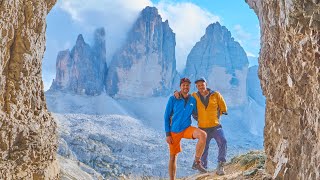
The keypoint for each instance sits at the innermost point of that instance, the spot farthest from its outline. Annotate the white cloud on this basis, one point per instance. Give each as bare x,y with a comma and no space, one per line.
249,54
70,7
246,40
116,16
188,22
79,8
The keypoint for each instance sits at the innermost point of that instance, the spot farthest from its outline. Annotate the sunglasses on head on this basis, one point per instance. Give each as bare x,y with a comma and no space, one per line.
184,80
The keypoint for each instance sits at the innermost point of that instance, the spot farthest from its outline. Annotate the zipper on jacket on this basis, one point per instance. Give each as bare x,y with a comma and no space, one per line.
186,100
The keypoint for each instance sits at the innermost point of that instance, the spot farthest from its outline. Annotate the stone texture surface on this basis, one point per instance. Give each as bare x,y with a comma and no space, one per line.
27,131
289,73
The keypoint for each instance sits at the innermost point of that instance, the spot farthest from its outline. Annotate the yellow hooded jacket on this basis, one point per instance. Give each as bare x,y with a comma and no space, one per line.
209,117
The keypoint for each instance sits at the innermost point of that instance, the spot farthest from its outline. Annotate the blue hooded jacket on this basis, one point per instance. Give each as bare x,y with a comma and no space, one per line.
178,113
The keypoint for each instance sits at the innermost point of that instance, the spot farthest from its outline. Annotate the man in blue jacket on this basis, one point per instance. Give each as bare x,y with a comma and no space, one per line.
210,106
177,120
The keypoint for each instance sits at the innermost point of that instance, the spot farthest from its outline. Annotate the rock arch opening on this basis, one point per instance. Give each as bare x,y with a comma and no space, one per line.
289,73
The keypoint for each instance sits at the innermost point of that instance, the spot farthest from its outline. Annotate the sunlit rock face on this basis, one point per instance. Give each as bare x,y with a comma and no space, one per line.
289,73
83,69
222,61
27,131
145,66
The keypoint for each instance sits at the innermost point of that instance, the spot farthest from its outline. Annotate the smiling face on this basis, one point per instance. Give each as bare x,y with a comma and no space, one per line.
201,86
185,87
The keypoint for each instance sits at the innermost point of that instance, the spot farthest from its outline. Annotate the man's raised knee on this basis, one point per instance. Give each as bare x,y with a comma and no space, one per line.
203,136
173,157
200,135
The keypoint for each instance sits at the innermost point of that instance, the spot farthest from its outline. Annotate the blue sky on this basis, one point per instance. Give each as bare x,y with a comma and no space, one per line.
187,18
239,19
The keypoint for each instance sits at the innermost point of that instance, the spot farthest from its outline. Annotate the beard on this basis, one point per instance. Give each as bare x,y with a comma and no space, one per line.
202,90
185,90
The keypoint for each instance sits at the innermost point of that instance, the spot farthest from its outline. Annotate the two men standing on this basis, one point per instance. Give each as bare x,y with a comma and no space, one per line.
178,125
207,107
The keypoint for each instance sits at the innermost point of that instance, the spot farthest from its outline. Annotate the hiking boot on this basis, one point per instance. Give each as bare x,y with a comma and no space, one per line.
198,166
220,169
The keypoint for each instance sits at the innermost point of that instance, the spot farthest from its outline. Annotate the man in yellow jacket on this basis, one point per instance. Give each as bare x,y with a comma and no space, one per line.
210,106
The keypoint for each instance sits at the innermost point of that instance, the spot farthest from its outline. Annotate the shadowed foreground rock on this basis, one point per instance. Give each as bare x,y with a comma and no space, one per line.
289,73
246,166
27,131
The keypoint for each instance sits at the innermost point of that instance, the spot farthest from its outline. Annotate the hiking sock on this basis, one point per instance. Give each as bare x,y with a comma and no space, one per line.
196,159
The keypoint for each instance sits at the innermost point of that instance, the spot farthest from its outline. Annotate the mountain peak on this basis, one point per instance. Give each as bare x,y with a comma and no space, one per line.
149,10
99,39
99,32
216,28
80,39
82,70
150,13
149,49
213,26
218,53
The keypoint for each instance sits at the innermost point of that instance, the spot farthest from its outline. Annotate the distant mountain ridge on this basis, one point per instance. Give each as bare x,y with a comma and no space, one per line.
145,66
222,61
83,69
115,127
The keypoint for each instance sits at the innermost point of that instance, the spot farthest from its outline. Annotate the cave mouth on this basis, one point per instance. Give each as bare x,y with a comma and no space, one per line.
237,31
233,81
288,70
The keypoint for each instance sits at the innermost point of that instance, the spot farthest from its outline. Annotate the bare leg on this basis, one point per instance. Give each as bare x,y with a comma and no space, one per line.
173,166
201,136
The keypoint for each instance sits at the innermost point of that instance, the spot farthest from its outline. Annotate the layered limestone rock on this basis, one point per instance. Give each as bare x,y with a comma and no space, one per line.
289,72
145,66
222,61
83,70
27,131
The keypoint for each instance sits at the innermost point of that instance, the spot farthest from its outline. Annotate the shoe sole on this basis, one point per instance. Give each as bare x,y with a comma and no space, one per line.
199,170
220,174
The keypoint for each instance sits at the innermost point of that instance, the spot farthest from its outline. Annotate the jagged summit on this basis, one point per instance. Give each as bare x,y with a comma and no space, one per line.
222,61
80,40
82,70
150,12
145,66
218,48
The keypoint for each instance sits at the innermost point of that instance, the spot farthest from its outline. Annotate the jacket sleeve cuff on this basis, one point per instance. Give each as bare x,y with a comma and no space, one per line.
168,134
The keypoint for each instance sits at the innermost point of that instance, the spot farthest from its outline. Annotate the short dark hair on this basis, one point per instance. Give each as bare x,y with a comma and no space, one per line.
183,80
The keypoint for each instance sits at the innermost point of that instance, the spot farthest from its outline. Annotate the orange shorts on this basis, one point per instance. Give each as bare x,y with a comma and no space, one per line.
175,147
